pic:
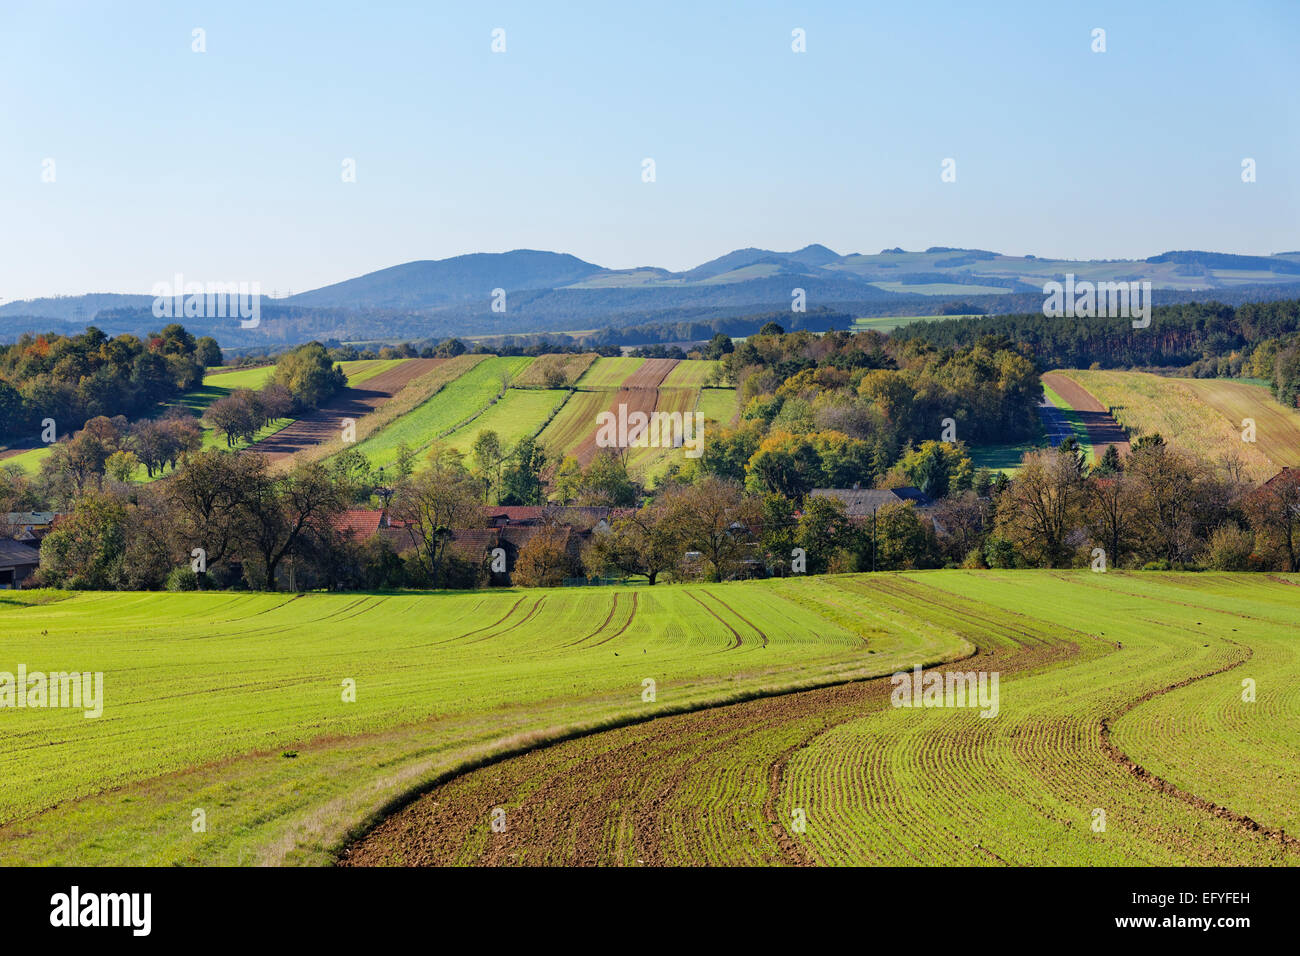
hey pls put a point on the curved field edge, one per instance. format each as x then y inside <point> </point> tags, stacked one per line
<point>707,791</point>
<point>296,797</point>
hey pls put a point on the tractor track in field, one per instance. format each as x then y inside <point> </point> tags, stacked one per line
<point>532,612</point>
<point>740,641</point>
<point>1161,785</point>
<point>631,616</point>
<point>613,609</point>
<point>580,801</point>
<point>761,636</point>
<point>630,774</point>
<point>486,627</point>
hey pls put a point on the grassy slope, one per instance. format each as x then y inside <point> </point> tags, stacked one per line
<point>609,372</point>
<point>217,385</point>
<point>721,405</point>
<point>941,786</point>
<point>196,678</point>
<point>575,422</point>
<point>573,366</point>
<point>1022,787</point>
<point>1201,416</point>
<point>519,414</point>
<point>458,400</point>
<point>689,373</point>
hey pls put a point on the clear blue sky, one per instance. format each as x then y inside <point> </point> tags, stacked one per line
<point>226,165</point>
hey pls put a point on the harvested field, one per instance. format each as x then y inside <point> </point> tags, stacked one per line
<point>574,424</point>
<point>640,393</point>
<point>1201,416</point>
<point>647,462</point>
<point>571,367</point>
<point>573,430</point>
<point>689,373</point>
<point>1277,428</point>
<point>609,372</point>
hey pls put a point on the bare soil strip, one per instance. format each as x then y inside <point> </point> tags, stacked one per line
<point>1103,430</point>
<point>639,393</point>
<point>326,423</point>
<point>565,799</point>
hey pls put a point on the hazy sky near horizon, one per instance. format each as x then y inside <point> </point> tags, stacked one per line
<point>227,165</point>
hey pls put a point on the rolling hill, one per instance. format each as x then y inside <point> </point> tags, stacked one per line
<point>549,292</point>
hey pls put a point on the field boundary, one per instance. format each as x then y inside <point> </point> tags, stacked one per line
<point>1161,785</point>
<point>340,849</point>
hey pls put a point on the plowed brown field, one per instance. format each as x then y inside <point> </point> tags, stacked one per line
<point>639,393</point>
<point>326,422</point>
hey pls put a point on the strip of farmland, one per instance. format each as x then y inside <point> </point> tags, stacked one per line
<point>839,776</point>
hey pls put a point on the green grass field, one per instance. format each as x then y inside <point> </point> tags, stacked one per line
<point>884,323</point>
<point>1158,659</point>
<point>455,402</point>
<point>721,405</point>
<point>689,373</point>
<point>609,372</point>
<point>235,704</point>
<point>519,414</point>
<point>1003,458</point>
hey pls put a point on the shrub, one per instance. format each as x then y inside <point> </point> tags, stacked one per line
<point>182,579</point>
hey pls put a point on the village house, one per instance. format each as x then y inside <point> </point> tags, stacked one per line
<point>861,503</point>
<point>506,527</point>
<point>18,562</point>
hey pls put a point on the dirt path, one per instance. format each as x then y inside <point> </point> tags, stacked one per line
<point>326,423</point>
<point>1102,429</point>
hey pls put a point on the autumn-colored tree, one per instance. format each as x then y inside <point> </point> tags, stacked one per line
<point>1274,513</point>
<point>544,560</point>
<point>717,519</point>
<point>1040,508</point>
<point>435,503</point>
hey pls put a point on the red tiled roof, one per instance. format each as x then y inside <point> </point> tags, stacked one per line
<point>359,523</point>
<point>564,514</point>
<point>1283,475</point>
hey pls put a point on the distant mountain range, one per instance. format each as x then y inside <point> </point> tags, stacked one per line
<point>549,292</point>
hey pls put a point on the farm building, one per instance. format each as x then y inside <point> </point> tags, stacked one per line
<point>506,527</point>
<point>18,561</point>
<point>28,525</point>
<point>860,503</point>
